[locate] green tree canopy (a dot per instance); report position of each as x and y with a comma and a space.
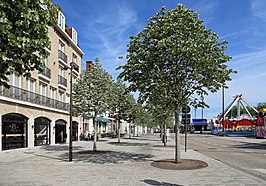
91, 93
24, 35
261, 106
233, 112
175, 56
121, 103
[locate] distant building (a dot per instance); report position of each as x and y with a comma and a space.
89, 66
35, 111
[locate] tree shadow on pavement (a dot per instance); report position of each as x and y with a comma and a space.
127, 144
59, 147
49, 149
261, 146
154, 182
47, 156
162, 146
107, 157
144, 139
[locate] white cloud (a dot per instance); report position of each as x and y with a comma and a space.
106, 31
258, 9
116, 15
249, 81
229, 35
206, 9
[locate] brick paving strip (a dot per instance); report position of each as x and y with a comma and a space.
125, 163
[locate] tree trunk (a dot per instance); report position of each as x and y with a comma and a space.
161, 133
95, 133
129, 130
137, 130
177, 138
112, 127
118, 130
164, 136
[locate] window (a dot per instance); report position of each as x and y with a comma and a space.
14, 79
61, 96
31, 85
31, 89
61, 52
61, 20
42, 92
52, 96
74, 36
61, 71
44, 59
61, 46
43, 87
52, 92
74, 58
14, 82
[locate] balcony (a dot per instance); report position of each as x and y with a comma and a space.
31, 97
62, 81
46, 72
62, 56
76, 68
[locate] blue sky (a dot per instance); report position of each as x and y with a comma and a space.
103, 28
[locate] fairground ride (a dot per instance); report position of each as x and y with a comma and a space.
241, 125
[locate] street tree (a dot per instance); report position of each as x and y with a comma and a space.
176, 56
132, 114
24, 35
161, 112
233, 113
91, 94
260, 106
141, 116
162, 116
120, 103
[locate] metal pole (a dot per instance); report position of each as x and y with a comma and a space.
223, 107
201, 114
70, 117
186, 131
164, 135
195, 112
95, 123
202, 111
176, 138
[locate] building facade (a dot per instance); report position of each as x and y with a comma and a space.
35, 111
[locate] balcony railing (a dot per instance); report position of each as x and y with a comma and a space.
46, 72
62, 80
76, 67
31, 97
62, 55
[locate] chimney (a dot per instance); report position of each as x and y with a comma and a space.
89, 66
69, 32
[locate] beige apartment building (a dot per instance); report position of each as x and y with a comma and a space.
35, 111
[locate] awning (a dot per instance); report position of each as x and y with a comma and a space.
101, 119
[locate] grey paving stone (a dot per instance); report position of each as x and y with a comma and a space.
127, 163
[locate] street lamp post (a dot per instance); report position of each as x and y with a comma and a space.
202, 98
223, 130
73, 65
